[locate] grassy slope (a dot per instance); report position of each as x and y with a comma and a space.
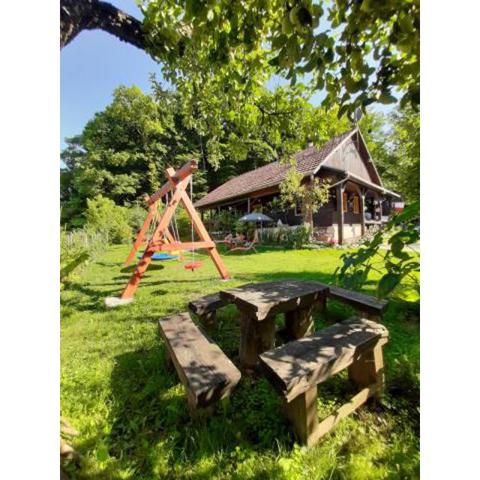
131, 412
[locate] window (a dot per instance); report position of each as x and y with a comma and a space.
345, 202
356, 204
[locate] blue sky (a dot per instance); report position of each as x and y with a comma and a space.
94, 64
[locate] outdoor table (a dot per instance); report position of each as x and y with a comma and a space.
259, 303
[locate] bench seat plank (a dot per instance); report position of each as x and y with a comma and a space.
297, 366
206, 372
207, 304
360, 301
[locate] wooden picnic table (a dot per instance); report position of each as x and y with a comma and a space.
259, 303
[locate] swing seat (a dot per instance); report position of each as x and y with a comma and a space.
192, 265
160, 256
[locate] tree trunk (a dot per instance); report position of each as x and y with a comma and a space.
78, 15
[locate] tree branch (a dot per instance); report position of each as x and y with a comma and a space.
78, 15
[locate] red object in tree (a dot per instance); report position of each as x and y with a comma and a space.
192, 265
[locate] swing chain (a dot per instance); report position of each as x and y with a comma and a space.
193, 237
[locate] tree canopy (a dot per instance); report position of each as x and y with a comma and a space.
358, 52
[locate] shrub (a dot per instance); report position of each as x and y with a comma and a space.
245, 228
183, 224
297, 237
76, 248
137, 215
398, 261
108, 219
223, 221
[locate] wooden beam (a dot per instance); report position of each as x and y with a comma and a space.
141, 234
346, 409
362, 212
369, 369
340, 215
178, 176
299, 323
302, 412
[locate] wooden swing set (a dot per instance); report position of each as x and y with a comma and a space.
162, 240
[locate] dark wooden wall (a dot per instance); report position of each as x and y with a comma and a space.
349, 159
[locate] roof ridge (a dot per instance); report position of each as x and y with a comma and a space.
308, 161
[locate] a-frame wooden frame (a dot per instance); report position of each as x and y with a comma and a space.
162, 239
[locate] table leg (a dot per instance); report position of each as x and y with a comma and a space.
299, 323
322, 304
255, 338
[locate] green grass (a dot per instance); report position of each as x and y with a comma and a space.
131, 412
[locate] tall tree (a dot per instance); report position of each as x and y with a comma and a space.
394, 143
406, 152
123, 151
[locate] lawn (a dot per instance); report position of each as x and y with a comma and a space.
130, 410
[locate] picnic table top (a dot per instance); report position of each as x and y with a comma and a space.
268, 298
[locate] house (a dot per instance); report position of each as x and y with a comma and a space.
358, 200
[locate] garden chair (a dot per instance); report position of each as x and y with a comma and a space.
248, 245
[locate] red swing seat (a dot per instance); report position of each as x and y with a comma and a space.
192, 265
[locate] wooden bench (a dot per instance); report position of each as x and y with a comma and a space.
366, 306
205, 371
206, 308
296, 368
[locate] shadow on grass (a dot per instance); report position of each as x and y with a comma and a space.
153, 267
87, 299
150, 419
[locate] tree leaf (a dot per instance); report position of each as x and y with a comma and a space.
387, 283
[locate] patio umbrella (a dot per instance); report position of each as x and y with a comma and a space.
257, 217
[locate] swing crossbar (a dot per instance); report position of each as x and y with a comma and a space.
188, 169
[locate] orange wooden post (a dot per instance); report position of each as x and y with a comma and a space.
142, 266
141, 234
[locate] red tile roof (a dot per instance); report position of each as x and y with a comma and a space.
272, 174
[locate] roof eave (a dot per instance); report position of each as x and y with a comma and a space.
370, 156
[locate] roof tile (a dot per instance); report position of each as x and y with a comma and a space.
271, 174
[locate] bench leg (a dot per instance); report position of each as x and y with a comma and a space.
208, 319
368, 369
255, 338
302, 413
321, 304
200, 412
299, 323
168, 359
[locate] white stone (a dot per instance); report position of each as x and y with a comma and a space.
112, 302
